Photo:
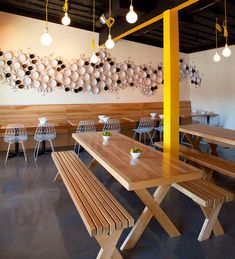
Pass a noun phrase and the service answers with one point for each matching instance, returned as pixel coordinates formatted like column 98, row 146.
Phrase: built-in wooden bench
column 102, row 215
column 210, row 197
column 205, row 161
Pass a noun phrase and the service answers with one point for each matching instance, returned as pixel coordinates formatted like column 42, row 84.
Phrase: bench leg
column 209, row 223
column 152, row 209
column 217, row 229
column 92, row 164
column 108, row 245
column 57, row 177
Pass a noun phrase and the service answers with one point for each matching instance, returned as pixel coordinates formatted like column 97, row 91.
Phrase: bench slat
column 106, row 199
column 99, row 210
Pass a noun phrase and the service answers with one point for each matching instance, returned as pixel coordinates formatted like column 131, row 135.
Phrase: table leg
column 213, row 148
column 208, row 119
column 17, row 148
column 152, row 209
column 194, row 142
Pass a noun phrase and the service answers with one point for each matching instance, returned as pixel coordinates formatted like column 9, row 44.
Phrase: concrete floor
column 38, row 219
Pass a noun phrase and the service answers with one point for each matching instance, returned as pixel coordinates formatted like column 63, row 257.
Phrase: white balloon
column 137, row 69
column 16, row 65
column 115, row 77
column 108, row 74
column 54, row 63
column 67, row 72
column 27, row 81
column 90, row 69
column 58, row 76
column 101, row 70
column 20, row 73
column 13, row 77
column 140, row 80
column 149, row 71
column 93, row 82
column 86, row 77
column 66, row 80
column 51, row 71
column 107, row 66
column 102, row 54
column 36, row 84
column 129, row 79
column 122, row 75
column 2, row 63
column 82, row 70
column 108, row 81
column 74, row 67
column 159, row 72
column 102, row 77
column 72, row 85
column 143, row 74
column 44, row 86
column 102, row 84
column 52, row 83
column 75, row 76
column 113, row 70
column 7, row 55
column 81, row 62
column 88, row 88
column 40, row 67
column 159, row 80
column 124, row 67
column 96, row 74
column 135, row 76
column 7, row 69
column 114, row 85
column 80, row 82
column 130, row 71
column 45, row 78
column 95, row 90
column 124, row 82
column 147, row 81
column 153, row 77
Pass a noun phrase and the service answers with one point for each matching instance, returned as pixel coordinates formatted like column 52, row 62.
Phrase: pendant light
column 109, row 42
column 226, row 51
column 65, row 20
column 46, row 38
column 93, row 59
column 131, row 16
column 216, row 57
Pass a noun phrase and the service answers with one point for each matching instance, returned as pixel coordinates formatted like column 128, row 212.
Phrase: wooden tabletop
column 149, row 170
column 27, row 123
column 137, row 118
column 214, row 134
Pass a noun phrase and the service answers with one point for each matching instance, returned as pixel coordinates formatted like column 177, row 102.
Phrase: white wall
column 217, row 91
column 19, row 32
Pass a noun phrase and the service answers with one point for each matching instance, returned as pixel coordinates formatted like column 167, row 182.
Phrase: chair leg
column 24, row 151
column 134, row 135
column 52, row 147
column 151, row 139
column 74, row 148
column 144, row 139
column 139, row 137
column 36, row 150
column 8, row 149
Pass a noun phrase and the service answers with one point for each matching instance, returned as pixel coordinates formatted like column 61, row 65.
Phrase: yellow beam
column 171, row 82
column 153, row 20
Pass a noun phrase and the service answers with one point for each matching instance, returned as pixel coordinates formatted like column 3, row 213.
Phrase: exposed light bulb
column 46, row 38
column 131, row 16
column 94, row 59
column 109, row 42
column 66, row 20
column 216, row 57
column 226, row 51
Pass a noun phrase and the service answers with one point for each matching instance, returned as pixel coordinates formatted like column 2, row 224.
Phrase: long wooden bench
column 102, row 215
column 210, row 197
column 205, row 161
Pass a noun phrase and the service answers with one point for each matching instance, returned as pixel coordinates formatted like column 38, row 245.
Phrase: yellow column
column 171, row 83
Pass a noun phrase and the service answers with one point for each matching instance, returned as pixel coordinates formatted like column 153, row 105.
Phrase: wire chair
column 15, row 133
column 159, row 128
column 145, row 126
column 45, row 132
column 112, row 125
column 84, row 126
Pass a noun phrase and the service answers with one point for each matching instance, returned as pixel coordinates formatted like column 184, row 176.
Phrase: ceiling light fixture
column 110, row 21
column 65, row 20
column 216, row 57
column 131, row 16
column 46, row 38
column 226, row 51
column 93, row 59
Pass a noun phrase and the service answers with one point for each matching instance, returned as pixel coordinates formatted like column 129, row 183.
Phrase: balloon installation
column 46, row 74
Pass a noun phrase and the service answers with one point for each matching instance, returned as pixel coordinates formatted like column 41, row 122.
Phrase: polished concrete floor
column 39, row 221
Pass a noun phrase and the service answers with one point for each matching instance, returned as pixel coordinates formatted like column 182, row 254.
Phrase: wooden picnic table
column 213, row 135
column 152, row 169
column 208, row 115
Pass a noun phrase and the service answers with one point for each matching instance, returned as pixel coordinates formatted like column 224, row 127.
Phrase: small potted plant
column 135, row 152
column 106, row 135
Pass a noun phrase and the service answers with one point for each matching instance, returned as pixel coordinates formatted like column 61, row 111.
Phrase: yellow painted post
column 171, row 83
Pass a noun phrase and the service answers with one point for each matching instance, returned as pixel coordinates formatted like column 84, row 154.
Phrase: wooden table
column 213, row 135
column 152, row 169
column 207, row 115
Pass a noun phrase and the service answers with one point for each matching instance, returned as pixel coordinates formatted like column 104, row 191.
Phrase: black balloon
column 58, row 84
column 60, row 62
column 193, row 70
column 86, row 63
column 97, row 66
column 152, row 88
column 30, row 68
column 21, row 86
column 131, row 84
column 148, row 76
column 80, row 89
column 27, row 73
column 129, row 66
column 18, row 82
column 101, row 64
column 31, row 56
column 118, row 69
column 76, row 90
column 59, row 68
column 63, row 66
column 108, row 59
column 106, row 88
column 145, row 68
column 181, row 60
column 24, row 65
column 8, row 74
column 119, row 81
column 1, row 53
column 159, row 68
column 187, row 68
column 111, row 63
column 155, row 71
column 97, row 54
column 34, row 61
column 67, row 89
column 9, row 62
column 92, row 64
column 98, row 79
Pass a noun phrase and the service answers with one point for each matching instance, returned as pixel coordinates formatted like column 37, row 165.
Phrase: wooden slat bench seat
column 205, row 160
column 102, row 215
column 210, row 197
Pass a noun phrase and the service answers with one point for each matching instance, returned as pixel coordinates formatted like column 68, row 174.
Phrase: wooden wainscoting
column 60, row 113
